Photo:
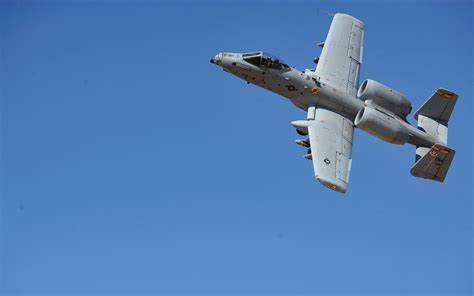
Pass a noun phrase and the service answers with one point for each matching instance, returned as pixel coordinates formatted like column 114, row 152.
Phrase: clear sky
column 131, row 165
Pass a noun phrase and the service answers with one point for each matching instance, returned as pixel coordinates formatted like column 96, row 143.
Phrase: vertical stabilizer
column 433, row 162
column 433, row 117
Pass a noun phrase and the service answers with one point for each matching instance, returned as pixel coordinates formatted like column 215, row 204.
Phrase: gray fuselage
column 305, row 89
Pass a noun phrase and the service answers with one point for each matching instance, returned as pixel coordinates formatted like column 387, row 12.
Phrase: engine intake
column 382, row 125
column 384, row 97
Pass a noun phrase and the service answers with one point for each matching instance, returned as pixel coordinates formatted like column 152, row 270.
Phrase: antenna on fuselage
column 326, row 12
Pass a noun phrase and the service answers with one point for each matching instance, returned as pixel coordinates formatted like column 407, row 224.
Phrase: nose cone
column 217, row 59
column 226, row 60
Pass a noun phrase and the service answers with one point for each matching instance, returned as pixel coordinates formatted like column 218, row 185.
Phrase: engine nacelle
column 385, row 97
column 382, row 125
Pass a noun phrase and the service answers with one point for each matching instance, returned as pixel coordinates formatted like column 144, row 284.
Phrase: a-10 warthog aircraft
column 335, row 104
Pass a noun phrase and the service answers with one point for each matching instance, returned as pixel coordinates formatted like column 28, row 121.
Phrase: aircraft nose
column 217, row 59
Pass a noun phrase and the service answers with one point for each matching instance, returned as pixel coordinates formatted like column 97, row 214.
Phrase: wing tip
column 354, row 19
column 333, row 184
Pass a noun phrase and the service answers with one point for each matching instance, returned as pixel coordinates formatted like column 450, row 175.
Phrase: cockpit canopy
column 262, row 59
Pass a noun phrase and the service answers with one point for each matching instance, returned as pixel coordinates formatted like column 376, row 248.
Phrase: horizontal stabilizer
column 434, row 164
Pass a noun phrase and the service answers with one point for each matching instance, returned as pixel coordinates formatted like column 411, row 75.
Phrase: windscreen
column 262, row 59
column 273, row 62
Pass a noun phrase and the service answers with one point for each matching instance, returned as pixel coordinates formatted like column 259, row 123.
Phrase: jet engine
column 382, row 125
column 385, row 97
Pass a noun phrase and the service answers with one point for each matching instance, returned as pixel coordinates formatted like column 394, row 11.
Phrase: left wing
column 330, row 136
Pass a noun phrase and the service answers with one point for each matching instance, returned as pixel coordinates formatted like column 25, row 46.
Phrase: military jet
column 335, row 104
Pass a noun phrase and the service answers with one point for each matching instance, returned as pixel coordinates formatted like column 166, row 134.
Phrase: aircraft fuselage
column 305, row 89
column 302, row 88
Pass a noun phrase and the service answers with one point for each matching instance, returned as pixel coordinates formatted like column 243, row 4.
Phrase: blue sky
column 131, row 165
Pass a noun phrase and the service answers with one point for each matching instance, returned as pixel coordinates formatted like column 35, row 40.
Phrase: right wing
column 330, row 136
column 340, row 60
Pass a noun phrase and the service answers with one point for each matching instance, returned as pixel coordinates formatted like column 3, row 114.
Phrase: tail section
column 439, row 107
column 433, row 162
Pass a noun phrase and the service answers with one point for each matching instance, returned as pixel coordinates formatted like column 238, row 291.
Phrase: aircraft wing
column 330, row 136
column 340, row 60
